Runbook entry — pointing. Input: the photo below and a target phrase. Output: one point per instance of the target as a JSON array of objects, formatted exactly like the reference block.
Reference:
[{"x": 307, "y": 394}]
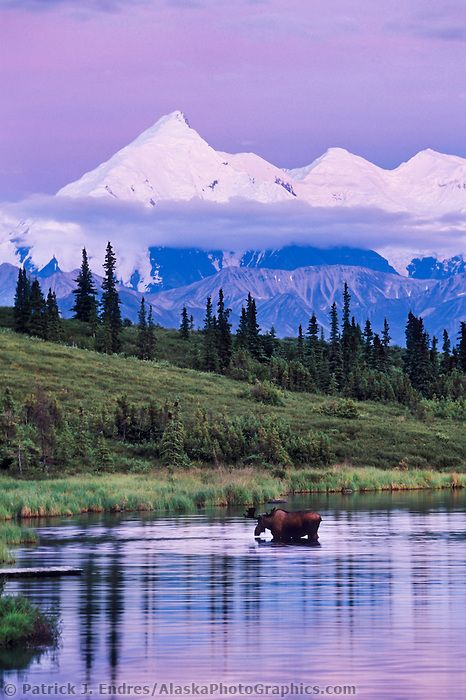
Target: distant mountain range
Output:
[
  {"x": 286, "y": 298},
  {"x": 171, "y": 162}
]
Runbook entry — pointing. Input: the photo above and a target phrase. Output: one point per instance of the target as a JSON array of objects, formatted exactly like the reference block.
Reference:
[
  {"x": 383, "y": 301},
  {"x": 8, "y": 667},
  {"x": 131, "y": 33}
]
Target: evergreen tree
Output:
[
  {"x": 242, "y": 331},
  {"x": 300, "y": 344},
  {"x": 185, "y": 325},
  {"x": 312, "y": 335},
  {"x": 253, "y": 329},
  {"x": 141, "y": 342},
  {"x": 378, "y": 359},
  {"x": 417, "y": 355},
  {"x": 334, "y": 350},
  {"x": 270, "y": 343},
  {"x": 110, "y": 314},
  {"x": 223, "y": 333},
  {"x": 37, "y": 323},
  {"x": 368, "y": 336},
  {"x": 446, "y": 352},
  {"x": 462, "y": 347},
  {"x": 150, "y": 337},
  {"x": 210, "y": 356},
  {"x": 53, "y": 328},
  {"x": 172, "y": 447},
  {"x": 346, "y": 335},
  {"x": 313, "y": 349},
  {"x": 386, "y": 338},
  {"x": 85, "y": 294},
  {"x": 22, "y": 304},
  {"x": 434, "y": 359}
]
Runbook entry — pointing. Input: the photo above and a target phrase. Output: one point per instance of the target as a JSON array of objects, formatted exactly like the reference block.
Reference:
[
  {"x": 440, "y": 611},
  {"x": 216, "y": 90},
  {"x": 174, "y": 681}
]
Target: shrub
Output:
[
  {"x": 341, "y": 408},
  {"x": 268, "y": 393}
]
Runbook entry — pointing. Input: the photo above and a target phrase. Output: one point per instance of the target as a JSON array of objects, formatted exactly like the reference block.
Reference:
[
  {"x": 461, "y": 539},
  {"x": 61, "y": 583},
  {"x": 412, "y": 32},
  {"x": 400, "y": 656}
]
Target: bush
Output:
[
  {"x": 341, "y": 408},
  {"x": 266, "y": 392}
]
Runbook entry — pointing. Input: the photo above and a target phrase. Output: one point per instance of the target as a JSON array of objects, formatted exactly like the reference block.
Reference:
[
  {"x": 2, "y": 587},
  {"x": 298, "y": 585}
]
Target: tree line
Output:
[{"x": 354, "y": 360}]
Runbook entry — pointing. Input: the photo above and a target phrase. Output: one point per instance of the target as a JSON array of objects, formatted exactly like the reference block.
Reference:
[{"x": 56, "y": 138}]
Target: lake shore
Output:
[{"x": 188, "y": 490}]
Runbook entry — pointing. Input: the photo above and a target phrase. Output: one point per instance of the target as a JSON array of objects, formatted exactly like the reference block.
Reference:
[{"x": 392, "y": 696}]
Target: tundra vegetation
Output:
[
  {"x": 248, "y": 413},
  {"x": 24, "y": 624}
]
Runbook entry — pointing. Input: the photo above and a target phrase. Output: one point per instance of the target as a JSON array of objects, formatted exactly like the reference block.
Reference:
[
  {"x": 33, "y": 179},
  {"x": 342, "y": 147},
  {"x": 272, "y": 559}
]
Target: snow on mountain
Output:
[{"x": 170, "y": 161}]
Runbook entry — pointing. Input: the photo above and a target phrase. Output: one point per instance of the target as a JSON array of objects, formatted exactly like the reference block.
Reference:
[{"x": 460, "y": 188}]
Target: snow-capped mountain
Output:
[{"x": 171, "y": 161}]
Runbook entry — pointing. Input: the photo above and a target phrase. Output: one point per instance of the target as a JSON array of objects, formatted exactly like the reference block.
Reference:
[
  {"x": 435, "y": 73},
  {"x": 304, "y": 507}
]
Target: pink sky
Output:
[{"x": 287, "y": 79}]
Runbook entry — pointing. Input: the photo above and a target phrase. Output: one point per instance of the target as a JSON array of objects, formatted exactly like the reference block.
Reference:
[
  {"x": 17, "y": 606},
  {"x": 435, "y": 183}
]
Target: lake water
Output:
[{"x": 380, "y": 604}]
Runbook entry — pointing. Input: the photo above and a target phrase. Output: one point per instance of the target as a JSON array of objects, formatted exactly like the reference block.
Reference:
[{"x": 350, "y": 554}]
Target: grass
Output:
[
  {"x": 383, "y": 436},
  {"x": 22, "y": 623},
  {"x": 198, "y": 488},
  {"x": 11, "y": 535}
]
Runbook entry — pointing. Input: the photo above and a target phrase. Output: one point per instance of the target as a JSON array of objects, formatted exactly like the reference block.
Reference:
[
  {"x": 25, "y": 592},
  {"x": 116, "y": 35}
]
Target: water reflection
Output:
[{"x": 379, "y": 604}]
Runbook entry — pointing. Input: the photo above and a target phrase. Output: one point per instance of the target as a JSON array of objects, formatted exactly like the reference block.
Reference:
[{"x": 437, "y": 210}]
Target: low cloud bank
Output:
[{"x": 61, "y": 226}]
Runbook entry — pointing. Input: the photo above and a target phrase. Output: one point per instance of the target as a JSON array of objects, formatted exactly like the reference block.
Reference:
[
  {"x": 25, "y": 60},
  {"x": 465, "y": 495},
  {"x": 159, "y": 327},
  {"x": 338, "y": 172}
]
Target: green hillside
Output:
[{"x": 383, "y": 435}]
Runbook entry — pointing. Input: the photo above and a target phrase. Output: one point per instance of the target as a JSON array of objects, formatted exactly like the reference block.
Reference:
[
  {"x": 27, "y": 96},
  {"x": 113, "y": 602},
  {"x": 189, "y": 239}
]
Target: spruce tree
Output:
[
  {"x": 172, "y": 447},
  {"x": 223, "y": 332},
  {"x": 22, "y": 303},
  {"x": 150, "y": 334},
  {"x": 85, "y": 294},
  {"x": 300, "y": 344},
  {"x": 446, "y": 352},
  {"x": 312, "y": 335},
  {"x": 434, "y": 359},
  {"x": 368, "y": 336},
  {"x": 270, "y": 343},
  {"x": 242, "y": 331},
  {"x": 462, "y": 347},
  {"x": 313, "y": 349},
  {"x": 417, "y": 355},
  {"x": 53, "y": 329},
  {"x": 37, "y": 323},
  {"x": 334, "y": 350},
  {"x": 210, "y": 356},
  {"x": 346, "y": 335},
  {"x": 253, "y": 329},
  {"x": 185, "y": 325},
  {"x": 110, "y": 314},
  {"x": 141, "y": 342},
  {"x": 386, "y": 338}
]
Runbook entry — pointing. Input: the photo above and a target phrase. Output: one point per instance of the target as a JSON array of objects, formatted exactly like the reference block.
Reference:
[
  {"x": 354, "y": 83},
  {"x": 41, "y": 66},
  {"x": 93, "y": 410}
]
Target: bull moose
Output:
[{"x": 286, "y": 526}]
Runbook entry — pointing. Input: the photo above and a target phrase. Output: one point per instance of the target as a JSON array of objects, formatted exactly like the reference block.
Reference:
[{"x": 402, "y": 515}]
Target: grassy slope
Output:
[{"x": 382, "y": 437}]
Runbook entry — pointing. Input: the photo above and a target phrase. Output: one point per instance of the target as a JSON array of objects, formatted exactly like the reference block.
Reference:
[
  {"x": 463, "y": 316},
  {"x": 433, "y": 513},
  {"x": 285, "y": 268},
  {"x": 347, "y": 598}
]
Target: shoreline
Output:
[{"x": 190, "y": 490}]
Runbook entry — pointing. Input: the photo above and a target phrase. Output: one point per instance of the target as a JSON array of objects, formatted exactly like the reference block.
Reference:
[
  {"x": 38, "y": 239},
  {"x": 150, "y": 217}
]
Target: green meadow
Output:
[{"x": 374, "y": 446}]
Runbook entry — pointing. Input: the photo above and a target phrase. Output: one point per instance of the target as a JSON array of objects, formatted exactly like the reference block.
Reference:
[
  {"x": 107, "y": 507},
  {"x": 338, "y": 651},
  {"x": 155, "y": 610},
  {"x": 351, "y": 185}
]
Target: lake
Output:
[{"x": 379, "y": 604}]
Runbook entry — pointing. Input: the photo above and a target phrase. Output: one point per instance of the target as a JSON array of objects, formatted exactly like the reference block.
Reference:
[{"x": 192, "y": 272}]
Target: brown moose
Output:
[{"x": 289, "y": 527}]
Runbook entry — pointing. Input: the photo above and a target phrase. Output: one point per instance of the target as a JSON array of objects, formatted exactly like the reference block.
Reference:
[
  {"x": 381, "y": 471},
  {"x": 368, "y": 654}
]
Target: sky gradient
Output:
[{"x": 287, "y": 79}]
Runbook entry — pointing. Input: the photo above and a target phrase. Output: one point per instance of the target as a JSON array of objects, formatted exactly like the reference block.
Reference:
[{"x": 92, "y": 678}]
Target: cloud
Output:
[
  {"x": 79, "y": 5},
  {"x": 61, "y": 226},
  {"x": 445, "y": 21}
]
